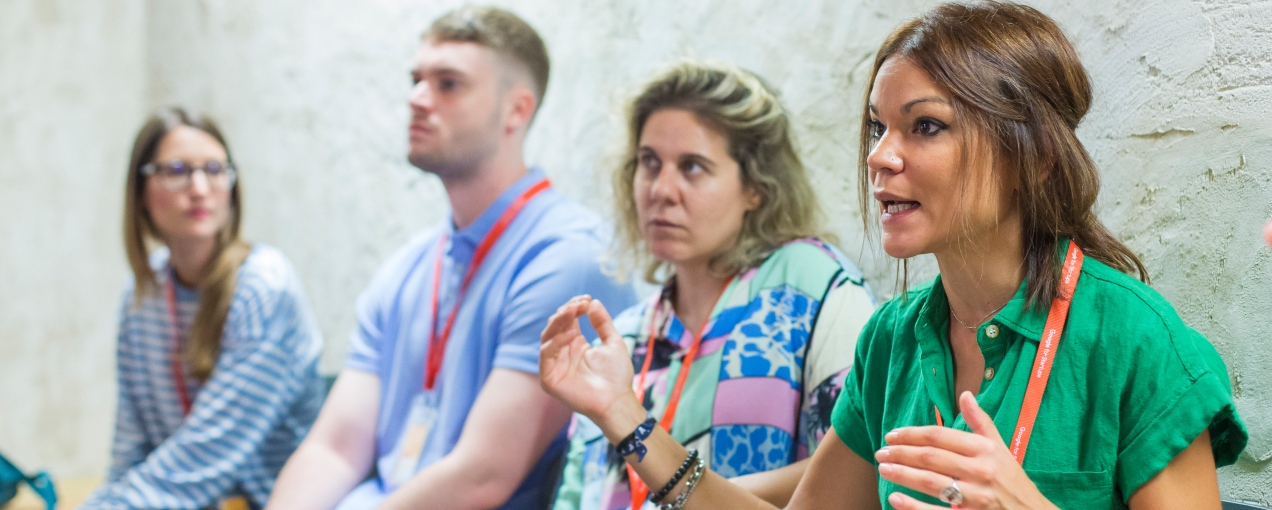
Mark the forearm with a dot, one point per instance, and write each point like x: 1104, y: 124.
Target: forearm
x: 664, y: 457
x: 316, y: 477
x: 453, y: 483
x: 776, y: 486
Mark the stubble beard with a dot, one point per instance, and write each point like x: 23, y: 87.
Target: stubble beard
x: 459, y: 158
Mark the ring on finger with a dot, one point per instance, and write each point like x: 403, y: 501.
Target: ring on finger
x: 952, y: 494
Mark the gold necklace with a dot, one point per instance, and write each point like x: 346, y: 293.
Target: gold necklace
x: 983, y: 319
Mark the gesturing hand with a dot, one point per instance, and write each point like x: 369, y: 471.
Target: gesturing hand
x: 589, y: 379
x: 929, y: 459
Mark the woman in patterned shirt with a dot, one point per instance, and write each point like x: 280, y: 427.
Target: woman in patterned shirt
x: 218, y: 350
x: 713, y: 195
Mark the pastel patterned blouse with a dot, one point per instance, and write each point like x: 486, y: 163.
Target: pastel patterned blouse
x: 760, y: 393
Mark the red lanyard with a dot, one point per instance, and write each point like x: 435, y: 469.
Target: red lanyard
x: 178, y: 364
x: 640, y: 490
x: 1047, y: 347
x: 436, y: 342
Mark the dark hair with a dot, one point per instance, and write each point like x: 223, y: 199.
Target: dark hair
x: 1017, y: 81
x: 216, y: 291
x: 503, y: 32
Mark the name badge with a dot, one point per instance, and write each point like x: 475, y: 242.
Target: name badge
x: 414, y: 435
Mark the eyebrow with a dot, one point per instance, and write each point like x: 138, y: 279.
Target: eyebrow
x: 929, y: 99
x: 700, y: 158
x: 906, y: 107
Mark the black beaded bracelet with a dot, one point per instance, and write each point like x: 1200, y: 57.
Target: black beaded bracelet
x: 680, y: 473
x: 632, y: 443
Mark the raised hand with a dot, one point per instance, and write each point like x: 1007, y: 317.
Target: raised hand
x: 589, y: 379
x: 929, y: 459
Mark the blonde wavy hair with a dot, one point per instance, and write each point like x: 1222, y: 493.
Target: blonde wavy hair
x: 740, y: 106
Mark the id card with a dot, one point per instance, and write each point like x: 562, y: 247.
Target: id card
x: 414, y: 435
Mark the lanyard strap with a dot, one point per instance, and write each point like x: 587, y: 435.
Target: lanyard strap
x: 1044, y: 359
x: 640, y: 490
x: 437, y: 342
x: 178, y: 364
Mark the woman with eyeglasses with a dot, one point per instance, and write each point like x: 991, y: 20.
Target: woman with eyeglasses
x: 218, y: 350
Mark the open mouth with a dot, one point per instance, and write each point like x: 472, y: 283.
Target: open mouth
x: 898, y: 206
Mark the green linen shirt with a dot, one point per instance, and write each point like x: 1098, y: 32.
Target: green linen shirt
x: 1131, y: 386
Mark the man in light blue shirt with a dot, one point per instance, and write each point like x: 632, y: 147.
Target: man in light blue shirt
x: 449, y: 410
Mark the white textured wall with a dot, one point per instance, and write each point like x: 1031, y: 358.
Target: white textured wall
x: 72, y: 79
x: 312, y: 97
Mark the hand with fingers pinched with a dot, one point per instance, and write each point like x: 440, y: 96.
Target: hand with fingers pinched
x: 967, y: 469
x: 589, y: 379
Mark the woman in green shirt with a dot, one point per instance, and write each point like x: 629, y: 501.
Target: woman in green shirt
x: 969, y: 153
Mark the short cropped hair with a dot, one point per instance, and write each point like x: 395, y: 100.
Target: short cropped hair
x: 505, y: 33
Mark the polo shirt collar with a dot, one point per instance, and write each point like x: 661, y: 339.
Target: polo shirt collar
x: 464, y: 241
x: 1017, y: 315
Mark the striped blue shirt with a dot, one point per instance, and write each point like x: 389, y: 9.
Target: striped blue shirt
x: 245, y: 420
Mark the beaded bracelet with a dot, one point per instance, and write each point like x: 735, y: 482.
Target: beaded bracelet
x: 675, y: 479
x: 679, y: 502
x: 632, y: 443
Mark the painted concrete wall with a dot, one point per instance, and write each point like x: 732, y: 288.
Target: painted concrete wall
x: 72, y: 83
x: 312, y: 97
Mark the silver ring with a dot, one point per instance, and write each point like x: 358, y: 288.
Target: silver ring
x: 952, y: 494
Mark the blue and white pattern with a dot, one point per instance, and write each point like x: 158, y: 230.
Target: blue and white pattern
x: 246, y: 420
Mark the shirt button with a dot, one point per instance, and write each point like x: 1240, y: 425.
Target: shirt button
x: 991, y: 331
x: 989, y: 374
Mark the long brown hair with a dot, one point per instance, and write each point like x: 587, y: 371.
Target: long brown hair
x: 216, y: 290
x: 1017, y: 81
x: 761, y: 139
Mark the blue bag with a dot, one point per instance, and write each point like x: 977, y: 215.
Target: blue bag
x: 11, y: 477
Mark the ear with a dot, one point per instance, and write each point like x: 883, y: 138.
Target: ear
x: 753, y: 198
x: 521, y: 105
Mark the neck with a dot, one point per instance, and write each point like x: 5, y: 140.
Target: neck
x: 980, y: 276
x: 697, y: 289
x: 471, y: 194
x: 189, y: 259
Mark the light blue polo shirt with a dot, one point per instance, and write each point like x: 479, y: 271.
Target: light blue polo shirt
x: 550, y: 253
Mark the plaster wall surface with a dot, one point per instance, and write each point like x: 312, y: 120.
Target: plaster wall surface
x: 72, y: 82
x: 312, y: 97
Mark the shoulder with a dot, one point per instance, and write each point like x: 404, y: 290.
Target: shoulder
x: 564, y: 236
x: 811, y: 265
x: 628, y: 321
x: 266, y: 284
x: 1105, y: 290
x: 265, y: 271
x: 898, y: 314
x: 558, y: 218
x: 1120, y: 314
x: 401, y: 261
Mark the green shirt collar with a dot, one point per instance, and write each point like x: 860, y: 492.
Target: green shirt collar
x: 1026, y: 321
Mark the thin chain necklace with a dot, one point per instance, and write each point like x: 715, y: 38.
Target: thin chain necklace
x: 981, y: 321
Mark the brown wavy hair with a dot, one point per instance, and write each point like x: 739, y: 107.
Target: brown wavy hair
x: 748, y: 113
x: 1018, y: 83
x: 216, y: 290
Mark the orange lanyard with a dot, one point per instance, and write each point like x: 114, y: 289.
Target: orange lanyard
x: 640, y: 491
x: 178, y: 365
x: 1047, y: 347
x: 436, y: 342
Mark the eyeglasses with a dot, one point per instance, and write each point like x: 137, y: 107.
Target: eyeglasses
x: 177, y: 175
